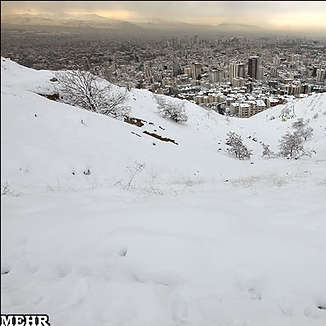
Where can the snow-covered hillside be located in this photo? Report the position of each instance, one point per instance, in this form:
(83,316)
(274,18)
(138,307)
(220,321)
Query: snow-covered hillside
(103,224)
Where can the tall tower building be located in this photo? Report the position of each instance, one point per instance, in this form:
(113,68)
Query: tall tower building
(148,70)
(276,60)
(320,75)
(187,71)
(215,76)
(254,67)
(176,69)
(274,71)
(260,73)
(233,70)
(241,70)
(236,70)
(196,70)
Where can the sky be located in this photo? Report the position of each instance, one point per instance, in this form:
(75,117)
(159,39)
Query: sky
(290,15)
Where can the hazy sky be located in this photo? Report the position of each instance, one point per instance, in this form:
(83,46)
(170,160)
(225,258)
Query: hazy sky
(292,15)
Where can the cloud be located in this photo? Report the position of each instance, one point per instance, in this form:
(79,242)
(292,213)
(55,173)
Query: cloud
(268,14)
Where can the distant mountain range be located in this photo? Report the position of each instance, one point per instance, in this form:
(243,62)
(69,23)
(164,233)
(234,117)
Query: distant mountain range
(91,20)
(161,28)
(96,21)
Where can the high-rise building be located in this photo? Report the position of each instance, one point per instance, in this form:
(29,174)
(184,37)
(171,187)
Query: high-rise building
(196,70)
(260,73)
(215,75)
(176,69)
(233,70)
(188,71)
(236,70)
(241,70)
(274,71)
(276,60)
(254,67)
(320,75)
(314,71)
(148,70)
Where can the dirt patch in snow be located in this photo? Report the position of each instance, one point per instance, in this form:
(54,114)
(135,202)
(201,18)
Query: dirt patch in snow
(135,121)
(53,97)
(160,137)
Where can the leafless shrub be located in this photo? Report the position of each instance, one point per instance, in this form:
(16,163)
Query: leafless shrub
(287,112)
(301,128)
(5,189)
(85,90)
(267,151)
(307,133)
(291,145)
(171,110)
(133,171)
(236,146)
(299,124)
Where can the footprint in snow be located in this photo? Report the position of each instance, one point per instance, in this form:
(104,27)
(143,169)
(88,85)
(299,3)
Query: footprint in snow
(5,269)
(123,252)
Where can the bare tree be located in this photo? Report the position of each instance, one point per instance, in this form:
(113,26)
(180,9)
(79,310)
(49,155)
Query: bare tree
(267,151)
(302,128)
(307,133)
(85,90)
(5,189)
(287,113)
(171,110)
(291,145)
(299,124)
(133,172)
(237,148)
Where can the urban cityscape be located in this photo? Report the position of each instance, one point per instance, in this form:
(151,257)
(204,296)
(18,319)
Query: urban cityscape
(234,75)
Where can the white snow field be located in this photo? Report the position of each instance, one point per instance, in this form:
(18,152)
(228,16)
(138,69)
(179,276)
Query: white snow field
(193,237)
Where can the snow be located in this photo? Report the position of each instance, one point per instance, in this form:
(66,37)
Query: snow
(197,238)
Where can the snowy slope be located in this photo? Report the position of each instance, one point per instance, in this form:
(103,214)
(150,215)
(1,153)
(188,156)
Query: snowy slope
(108,147)
(198,238)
